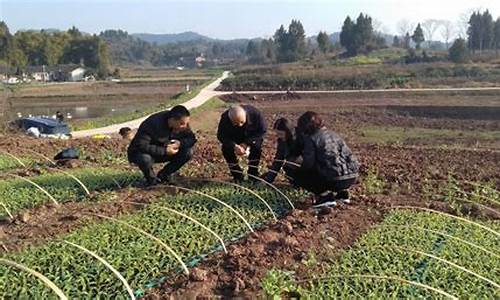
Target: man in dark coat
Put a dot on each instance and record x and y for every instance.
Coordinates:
(162, 137)
(241, 132)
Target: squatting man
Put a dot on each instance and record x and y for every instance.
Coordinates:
(313, 157)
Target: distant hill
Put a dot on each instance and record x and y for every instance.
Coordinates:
(163, 39)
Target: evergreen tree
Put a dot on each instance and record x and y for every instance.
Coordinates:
(407, 41)
(359, 37)
(481, 31)
(458, 51)
(297, 40)
(291, 44)
(324, 43)
(418, 36)
(281, 40)
(5, 40)
(347, 36)
(488, 30)
(363, 34)
(496, 34)
(396, 41)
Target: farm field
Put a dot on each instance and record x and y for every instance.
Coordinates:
(381, 74)
(423, 222)
(94, 104)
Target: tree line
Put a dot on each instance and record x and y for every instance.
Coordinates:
(288, 44)
(36, 48)
(99, 51)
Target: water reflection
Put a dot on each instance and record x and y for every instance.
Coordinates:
(76, 112)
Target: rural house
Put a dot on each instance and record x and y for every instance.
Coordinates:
(67, 73)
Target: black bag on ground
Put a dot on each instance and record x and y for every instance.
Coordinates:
(70, 153)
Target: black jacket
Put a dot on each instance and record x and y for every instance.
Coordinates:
(327, 153)
(153, 136)
(250, 133)
(286, 150)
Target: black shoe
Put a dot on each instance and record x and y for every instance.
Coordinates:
(165, 179)
(151, 182)
(343, 196)
(325, 200)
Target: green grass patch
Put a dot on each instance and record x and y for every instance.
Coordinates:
(8, 163)
(138, 258)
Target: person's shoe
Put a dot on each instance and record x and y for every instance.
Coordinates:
(325, 200)
(343, 196)
(149, 183)
(165, 179)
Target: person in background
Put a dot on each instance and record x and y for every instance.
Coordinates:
(288, 149)
(241, 132)
(59, 117)
(126, 133)
(163, 137)
(328, 165)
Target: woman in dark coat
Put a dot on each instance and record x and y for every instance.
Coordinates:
(287, 152)
(328, 165)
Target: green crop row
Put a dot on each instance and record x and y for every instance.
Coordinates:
(17, 194)
(141, 260)
(390, 250)
(9, 163)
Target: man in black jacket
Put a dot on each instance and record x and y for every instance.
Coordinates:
(241, 132)
(163, 137)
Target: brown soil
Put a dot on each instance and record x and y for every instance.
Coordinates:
(285, 245)
(347, 114)
(44, 223)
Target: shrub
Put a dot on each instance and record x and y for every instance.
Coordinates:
(458, 52)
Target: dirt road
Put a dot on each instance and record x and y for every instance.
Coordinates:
(205, 94)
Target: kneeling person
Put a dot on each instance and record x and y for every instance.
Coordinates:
(241, 132)
(162, 137)
(328, 164)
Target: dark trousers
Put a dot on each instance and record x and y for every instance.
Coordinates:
(253, 160)
(146, 161)
(317, 184)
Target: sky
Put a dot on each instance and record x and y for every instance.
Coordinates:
(225, 19)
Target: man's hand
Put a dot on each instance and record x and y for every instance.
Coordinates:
(173, 147)
(176, 143)
(240, 150)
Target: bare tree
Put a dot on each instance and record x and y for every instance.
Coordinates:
(430, 26)
(377, 25)
(447, 31)
(405, 26)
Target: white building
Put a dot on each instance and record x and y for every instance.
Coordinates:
(77, 74)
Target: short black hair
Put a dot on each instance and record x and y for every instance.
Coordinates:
(284, 125)
(124, 130)
(179, 111)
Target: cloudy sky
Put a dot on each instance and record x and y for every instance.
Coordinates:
(226, 19)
